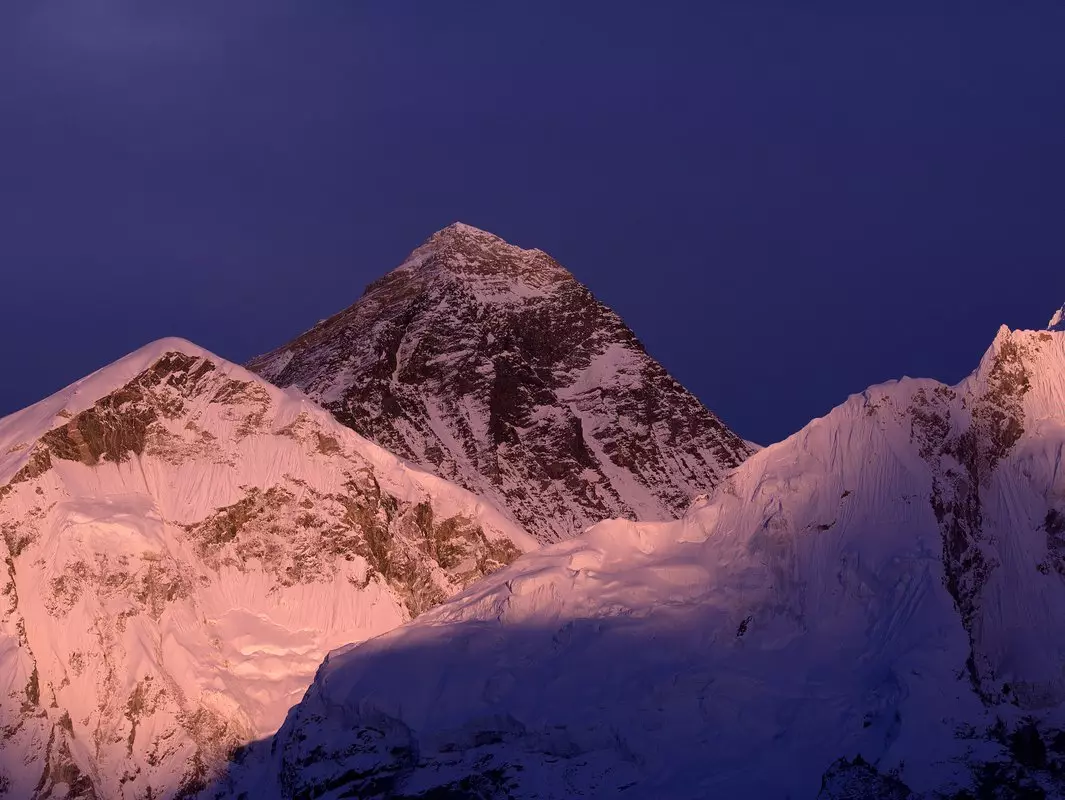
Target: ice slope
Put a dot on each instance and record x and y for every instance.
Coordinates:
(183, 543)
(494, 367)
(886, 583)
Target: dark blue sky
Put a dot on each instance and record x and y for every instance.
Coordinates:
(787, 201)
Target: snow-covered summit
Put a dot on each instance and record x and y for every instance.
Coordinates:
(494, 367)
(460, 230)
(1057, 321)
(182, 543)
(870, 608)
(497, 271)
(459, 234)
(30, 423)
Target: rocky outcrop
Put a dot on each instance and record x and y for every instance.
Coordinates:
(493, 367)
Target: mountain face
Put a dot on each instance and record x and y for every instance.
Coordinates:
(1057, 322)
(493, 367)
(182, 543)
(872, 608)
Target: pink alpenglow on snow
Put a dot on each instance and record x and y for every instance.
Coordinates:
(866, 609)
(184, 543)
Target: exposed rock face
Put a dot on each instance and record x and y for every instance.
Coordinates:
(493, 367)
(859, 780)
(964, 439)
(182, 543)
(886, 583)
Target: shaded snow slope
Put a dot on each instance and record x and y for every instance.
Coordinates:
(493, 367)
(887, 583)
(182, 543)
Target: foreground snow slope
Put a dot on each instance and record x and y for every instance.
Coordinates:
(494, 367)
(889, 582)
(182, 543)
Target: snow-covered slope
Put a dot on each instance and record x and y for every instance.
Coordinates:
(872, 608)
(492, 366)
(182, 543)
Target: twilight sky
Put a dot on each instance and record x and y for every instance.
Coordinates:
(786, 204)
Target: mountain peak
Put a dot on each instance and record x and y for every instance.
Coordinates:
(494, 269)
(463, 238)
(1057, 322)
(492, 366)
(461, 229)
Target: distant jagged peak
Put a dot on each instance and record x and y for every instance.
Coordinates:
(480, 257)
(1057, 322)
(460, 230)
(458, 237)
(492, 366)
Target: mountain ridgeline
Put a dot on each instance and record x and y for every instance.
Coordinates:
(467, 539)
(872, 608)
(183, 542)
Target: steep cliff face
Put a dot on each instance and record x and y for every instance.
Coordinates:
(493, 367)
(871, 608)
(181, 544)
